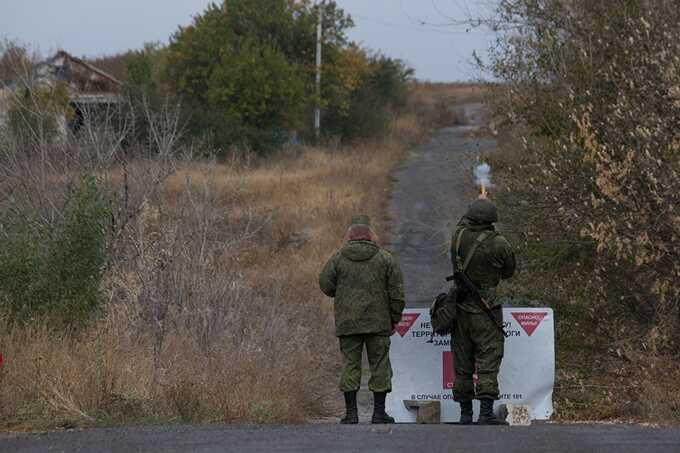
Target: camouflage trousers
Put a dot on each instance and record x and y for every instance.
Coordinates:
(378, 351)
(477, 349)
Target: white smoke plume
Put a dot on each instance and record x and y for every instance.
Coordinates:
(483, 176)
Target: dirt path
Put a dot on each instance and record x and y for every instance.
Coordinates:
(433, 189)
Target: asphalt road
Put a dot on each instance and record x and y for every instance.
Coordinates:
(433, 189)
(358, 438)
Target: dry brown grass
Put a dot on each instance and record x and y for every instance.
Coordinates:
(455, 93)
(214, 312)
(439, 100)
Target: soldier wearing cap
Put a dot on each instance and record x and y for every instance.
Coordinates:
(368, 288)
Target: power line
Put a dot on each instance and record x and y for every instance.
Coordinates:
(416, 27)
(470, 21)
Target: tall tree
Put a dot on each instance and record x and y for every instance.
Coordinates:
(244, 68)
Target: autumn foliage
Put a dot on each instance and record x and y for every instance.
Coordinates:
(591, 104)
(245, 71)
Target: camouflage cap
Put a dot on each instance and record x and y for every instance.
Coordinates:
(361, 219)
(482, 211)
(360, 229)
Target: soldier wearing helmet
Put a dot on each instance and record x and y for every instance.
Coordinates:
(487, 258)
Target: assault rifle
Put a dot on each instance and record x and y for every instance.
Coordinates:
(464, 281)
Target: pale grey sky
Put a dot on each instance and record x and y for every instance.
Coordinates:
(97, 27)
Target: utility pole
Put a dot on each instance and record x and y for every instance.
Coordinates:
(319, 34)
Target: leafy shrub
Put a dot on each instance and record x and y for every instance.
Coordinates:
(15, 61)
(381, 92)
(241, 67)
(245, 73)
(597, 89)
(34, 113)
(56, 273)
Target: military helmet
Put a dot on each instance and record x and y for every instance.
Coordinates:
(482, 211)
(361, 219)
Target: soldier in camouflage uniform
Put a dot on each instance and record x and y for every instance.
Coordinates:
(368, 288)
(478, 344)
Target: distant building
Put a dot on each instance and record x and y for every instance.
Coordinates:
(89, 88)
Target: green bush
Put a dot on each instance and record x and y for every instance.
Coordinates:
(382, 92)
(144, 94)
(243, 70)
(55, 272)
(244, 74)
(34, 113)
(595, 91)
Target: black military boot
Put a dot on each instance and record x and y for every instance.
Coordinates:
(486, 415)
(379, 414)
(351, 412)
(465, 413)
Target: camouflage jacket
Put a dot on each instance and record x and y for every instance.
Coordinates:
(493, 260)
(367, 284)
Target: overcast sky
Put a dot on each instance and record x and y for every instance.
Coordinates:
(97, 27)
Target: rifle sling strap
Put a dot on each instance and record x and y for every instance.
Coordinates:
(483, 236)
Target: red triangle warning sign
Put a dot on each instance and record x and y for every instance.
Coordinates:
(407, 320)
(529, 320)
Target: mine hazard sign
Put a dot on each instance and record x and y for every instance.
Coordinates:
(423, 369)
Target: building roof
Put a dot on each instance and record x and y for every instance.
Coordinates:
(81, 76)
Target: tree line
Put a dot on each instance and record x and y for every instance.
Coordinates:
(243, 73)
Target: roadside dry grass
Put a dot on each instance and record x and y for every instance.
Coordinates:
(213, 310)
(438, 100)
